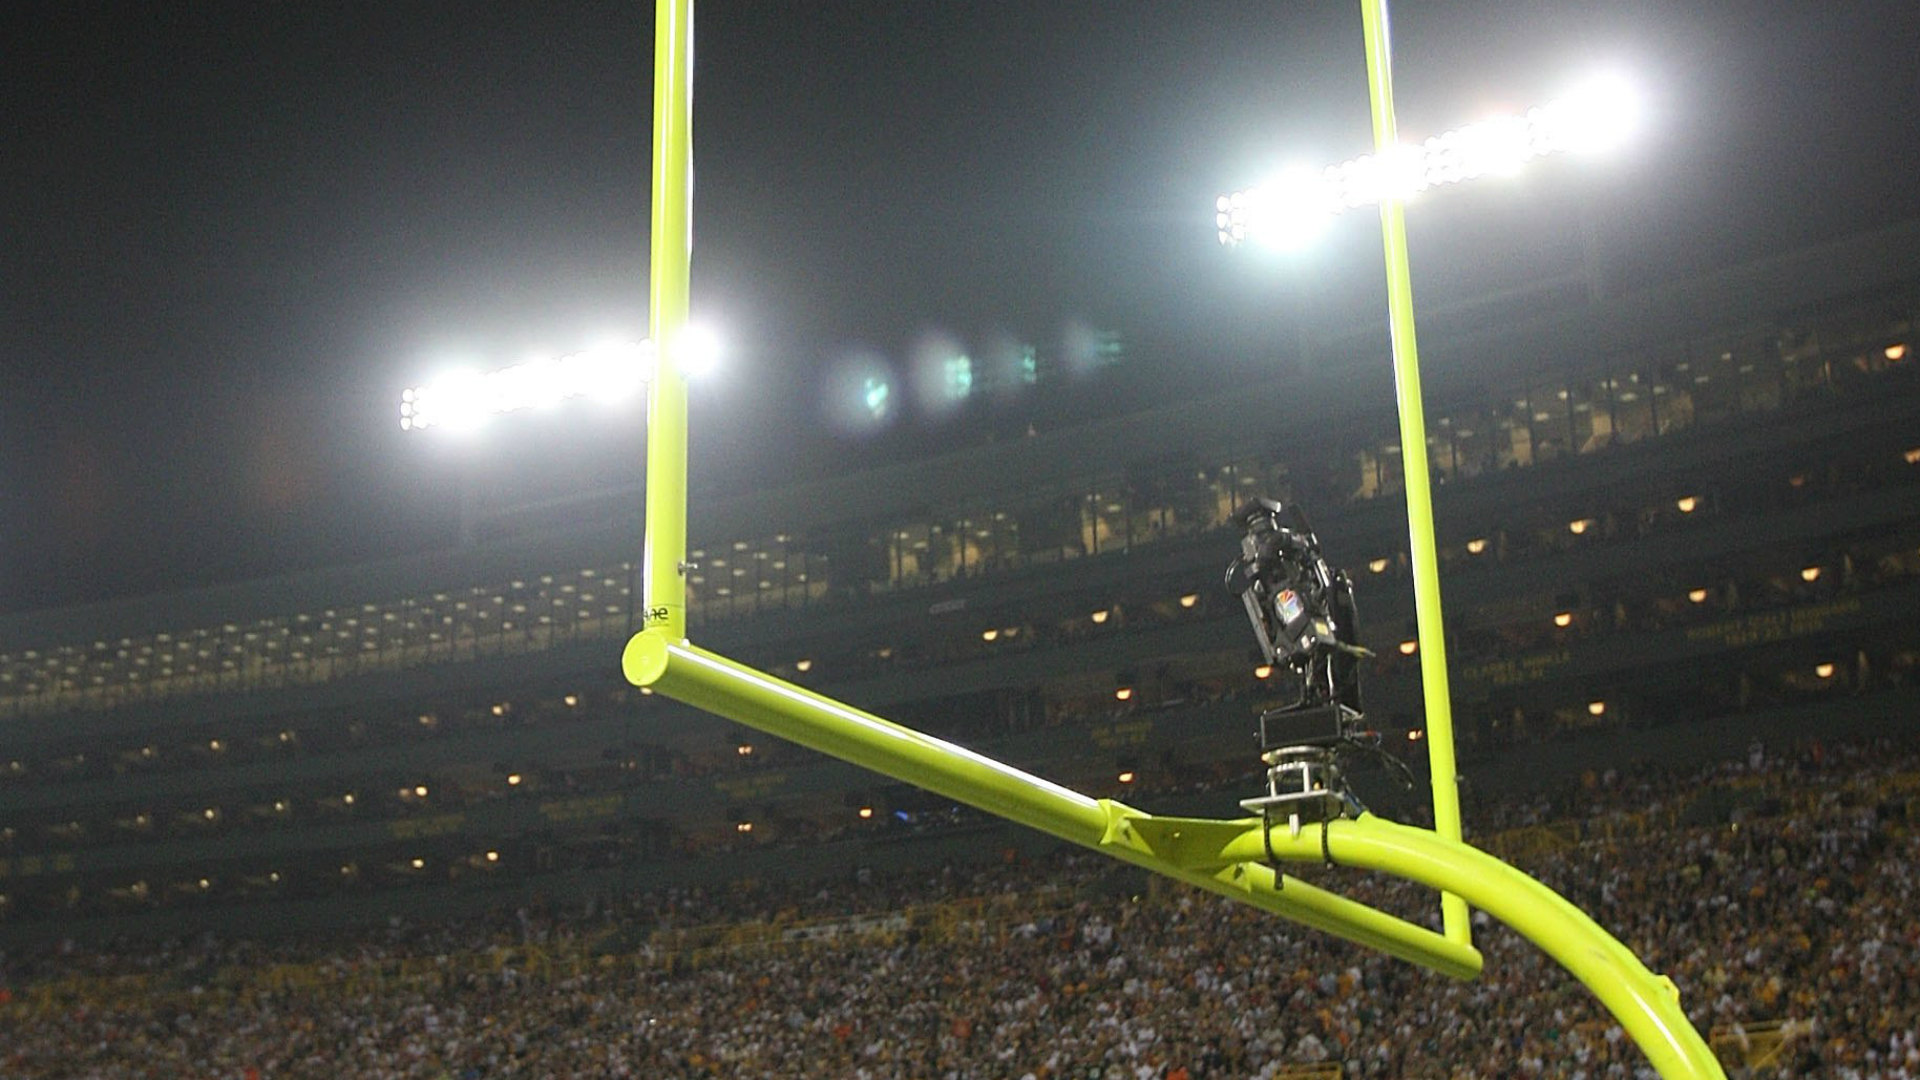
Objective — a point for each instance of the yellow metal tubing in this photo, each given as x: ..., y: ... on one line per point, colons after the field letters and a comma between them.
x: 1421, y: 549
x: 1178, y: 848
x: 663, y: 560
x: 1646, y: 1005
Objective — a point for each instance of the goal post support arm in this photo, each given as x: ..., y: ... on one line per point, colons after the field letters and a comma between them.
x: 1186, y: 849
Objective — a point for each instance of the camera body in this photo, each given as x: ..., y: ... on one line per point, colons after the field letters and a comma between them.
x: 1303, y: 617
x: 1301, y: 609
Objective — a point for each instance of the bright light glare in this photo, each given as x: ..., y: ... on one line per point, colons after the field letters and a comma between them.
x: 700, y: 351
x: 1288, y: 214
x: 1600, y: 114
x: 465, y: 399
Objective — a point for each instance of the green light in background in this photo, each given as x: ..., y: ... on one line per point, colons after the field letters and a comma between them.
x: 959, y: 376
x: 874, y: 394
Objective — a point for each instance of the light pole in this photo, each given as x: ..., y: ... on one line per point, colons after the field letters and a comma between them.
x: 1293, y: 209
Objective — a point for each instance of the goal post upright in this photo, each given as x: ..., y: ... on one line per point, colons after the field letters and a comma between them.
x: 669, y: 284
x: 1421, y: 549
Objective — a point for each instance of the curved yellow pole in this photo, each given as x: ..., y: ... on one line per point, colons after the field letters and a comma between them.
x: 1646, y: 1005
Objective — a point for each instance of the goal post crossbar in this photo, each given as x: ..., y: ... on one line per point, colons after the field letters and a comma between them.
x: 711, y: 682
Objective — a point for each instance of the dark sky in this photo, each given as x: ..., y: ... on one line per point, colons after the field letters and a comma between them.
x: 231, y: 233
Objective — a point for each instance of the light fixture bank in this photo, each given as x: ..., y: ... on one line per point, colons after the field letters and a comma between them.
x: 1293, y: 207
x: 613, y: 373
x: 467, y: 399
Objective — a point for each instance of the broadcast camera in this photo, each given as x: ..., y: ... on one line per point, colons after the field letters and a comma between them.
x: 1303, y: 617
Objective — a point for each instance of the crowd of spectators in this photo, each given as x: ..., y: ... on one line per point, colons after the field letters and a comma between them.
x: 1774, y: 887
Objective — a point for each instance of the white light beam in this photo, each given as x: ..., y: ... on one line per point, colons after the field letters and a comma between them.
x: 1291, y: 210
x: 467, y: 399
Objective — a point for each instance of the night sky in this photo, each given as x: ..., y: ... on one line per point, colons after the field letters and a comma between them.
x: 231, y: 233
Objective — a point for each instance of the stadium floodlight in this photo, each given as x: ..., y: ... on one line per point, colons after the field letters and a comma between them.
x: 615, y: 372
x: 1293, y: 208
x: 700, y: 350
x: 464, y: 400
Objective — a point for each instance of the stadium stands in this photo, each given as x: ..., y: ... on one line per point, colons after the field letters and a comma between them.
x: 1778, y: 889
